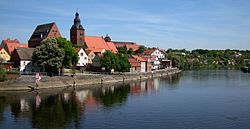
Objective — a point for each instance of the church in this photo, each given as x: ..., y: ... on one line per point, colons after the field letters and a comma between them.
x: 93, y: 43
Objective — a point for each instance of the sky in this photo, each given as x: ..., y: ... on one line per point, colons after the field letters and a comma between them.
x: 176, y: 24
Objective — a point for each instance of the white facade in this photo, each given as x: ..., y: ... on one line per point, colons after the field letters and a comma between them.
x: 83, y: 58
x: 159, y: 54
x: 143, y: 66
x: 156, y: 63
x: 27, y: 66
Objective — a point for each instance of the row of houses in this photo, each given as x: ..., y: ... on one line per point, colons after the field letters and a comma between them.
x: 18, y: 55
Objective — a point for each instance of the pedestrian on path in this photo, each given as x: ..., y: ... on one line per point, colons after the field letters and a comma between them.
x: 38, y: 78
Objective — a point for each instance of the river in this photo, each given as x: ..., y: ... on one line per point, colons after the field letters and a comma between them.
x: 190, y: 100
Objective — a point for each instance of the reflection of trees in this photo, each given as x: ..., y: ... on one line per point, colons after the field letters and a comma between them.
x: 171, y: 80
x: 114, y: 96
x: 54, y: 112
x: 15, y: 107
x: 2, y: 106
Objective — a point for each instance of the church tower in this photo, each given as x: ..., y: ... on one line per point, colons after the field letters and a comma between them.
x: 77, y: 32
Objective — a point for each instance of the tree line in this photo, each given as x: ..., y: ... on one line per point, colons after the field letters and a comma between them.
x: 208, y: 59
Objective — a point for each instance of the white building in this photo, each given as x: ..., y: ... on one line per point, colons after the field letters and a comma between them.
x: 155, y: 62
x: 154, y: 52
x: 22, y: 59
x: 83, y: 58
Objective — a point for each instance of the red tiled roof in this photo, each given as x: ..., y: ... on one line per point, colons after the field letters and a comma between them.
x: 88, y: 51
x: 146, y: 58
x: 133, y: 62
x: 95, y: 42
x: 127, y: 45
x: 134, y: 47
x: 138, y: 58
x: 112, y: 47
x: 99, y: 50
x: 10, y: 45
x: 148, y: 52
x: 24, y: 45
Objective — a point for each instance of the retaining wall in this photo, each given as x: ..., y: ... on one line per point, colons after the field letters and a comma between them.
x: 26, y: 81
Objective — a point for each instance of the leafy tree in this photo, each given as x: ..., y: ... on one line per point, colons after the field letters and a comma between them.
x: 118, y: 62
x: 141, y: 49
x: 49, y: 55
x: 109, y: 61
x: 2, y: 75
x: 122, y: 50
x: 122, y: 64
x: 71, y: 56
x: 130, y: 52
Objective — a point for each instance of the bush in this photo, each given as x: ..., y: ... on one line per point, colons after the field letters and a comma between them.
x: 3, y: 78
x: 3, y: 75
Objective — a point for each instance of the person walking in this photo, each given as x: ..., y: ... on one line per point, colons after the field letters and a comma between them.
x: 38, y: 78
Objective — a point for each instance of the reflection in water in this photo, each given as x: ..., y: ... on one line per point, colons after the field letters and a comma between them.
x: 110, y: 96
x: 38, y: 100
x: 66, y: 109
x: 3, y: 104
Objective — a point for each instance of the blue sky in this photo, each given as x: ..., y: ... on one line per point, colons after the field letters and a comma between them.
x: 189, y: 24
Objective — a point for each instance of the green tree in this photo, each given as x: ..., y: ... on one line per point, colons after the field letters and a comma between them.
x: 71, y: 56
x: 49, y: 55
x: 122, y: 50
x: 141, y: 49
x: 130, y: 52
x: 109, y: 61
x: 122, y: 64
x: 118, y: 62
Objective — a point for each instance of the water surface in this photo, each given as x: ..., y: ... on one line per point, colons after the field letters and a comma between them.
x: 192, y: 100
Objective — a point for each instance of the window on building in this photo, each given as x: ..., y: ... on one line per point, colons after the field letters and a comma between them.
x: 85, y: 58
x: 81, y: 54
x: 24, y: 63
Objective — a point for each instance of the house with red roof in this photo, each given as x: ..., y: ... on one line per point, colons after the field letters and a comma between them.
x: 138, y: 64
x: 154, y: 52
x: 154, y: 61
x: 10, y: 45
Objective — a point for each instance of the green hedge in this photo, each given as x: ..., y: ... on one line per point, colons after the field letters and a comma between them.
x: 3, y: 75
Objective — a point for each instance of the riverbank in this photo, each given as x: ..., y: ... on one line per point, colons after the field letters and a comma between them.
x: 24, y: 82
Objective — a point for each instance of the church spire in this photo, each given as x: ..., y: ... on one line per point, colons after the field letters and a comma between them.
x: 77, y: 32
x: 77, y: 22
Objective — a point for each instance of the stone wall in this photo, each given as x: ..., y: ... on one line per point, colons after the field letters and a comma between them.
x: 26, y: 81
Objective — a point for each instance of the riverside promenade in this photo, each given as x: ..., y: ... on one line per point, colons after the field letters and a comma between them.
x: 24, y: 82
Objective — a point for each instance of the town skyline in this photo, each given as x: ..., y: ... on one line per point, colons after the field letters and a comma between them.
x: 190, y: 25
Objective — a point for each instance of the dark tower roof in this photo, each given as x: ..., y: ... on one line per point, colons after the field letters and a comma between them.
x: 77, y: 22
x: 107, y: 38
